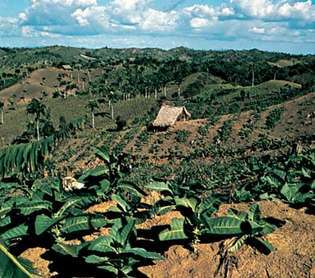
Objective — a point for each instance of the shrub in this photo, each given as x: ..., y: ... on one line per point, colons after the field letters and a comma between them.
x: 224, y: 132
x: 182, y: 136
x: 120, y: 123
x: 274, y: 117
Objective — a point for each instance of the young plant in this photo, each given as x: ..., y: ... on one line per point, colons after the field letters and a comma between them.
x: 182, y: 136
x: 110, y: 178
x: 114, y: 253
x: 290, y: 178
x: 274, y: 117
x: 246, y: 227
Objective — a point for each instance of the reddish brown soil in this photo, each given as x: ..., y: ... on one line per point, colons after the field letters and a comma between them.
x: 294, y: 255
x: 294, y: 122
x: 101, y: 208
x: 41, y: 265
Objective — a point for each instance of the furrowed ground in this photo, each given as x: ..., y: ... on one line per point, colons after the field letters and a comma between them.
x: 227, y: 193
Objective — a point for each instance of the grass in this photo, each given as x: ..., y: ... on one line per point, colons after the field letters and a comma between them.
x: 73, y: 107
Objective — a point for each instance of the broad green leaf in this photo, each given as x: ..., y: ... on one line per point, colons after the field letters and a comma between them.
x: 306, y: 173
x: 75, y: 224
x: 121, y: 202
x: 93, y: 259
x: 225, y: 225
x: 67, y: 249
x: 43, y: 223
x: 267, y: 229
x: 81, y: 202
x: 103, y: 154
x: 140, y: 252
x: 96, y: 172
x: 280, y: 173
x: 254, y: 213
x: 293, y: 195
x: 176, y: 231
x: 126, y: 231
x: 267, y: 196
x: 131, y: 188
x: 187, y: 203
x: 165, y: 209
x: 104, y: 186
x: 110, y: 269
x: 238, y: 243
x: 275, y: 183
x: 241, y: 215
x: 5, y: 208
x: 242, y: 195
x: 102, y: 244
x: 98, y: 221
x: 158, y: 186
x: 34, y: 206
x: 114, y: 232
x: 268, y: 248
x: 289, y: 192
x: 15, y: 232
x: 126, y: 269
x: 12, y: 267
x: 5, y: 221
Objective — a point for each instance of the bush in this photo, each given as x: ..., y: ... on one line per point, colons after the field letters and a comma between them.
x: 120, y: 123
x: 224, y: 132
x: 274, y: 117
x: 182, y: 136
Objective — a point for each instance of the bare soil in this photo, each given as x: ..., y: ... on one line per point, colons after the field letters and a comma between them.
x: 294, y: 255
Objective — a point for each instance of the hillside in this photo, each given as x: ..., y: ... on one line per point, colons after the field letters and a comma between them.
x: 86, y: 180
x: 246, y: 134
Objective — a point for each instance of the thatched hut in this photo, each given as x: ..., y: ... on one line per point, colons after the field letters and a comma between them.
x: 66, y: 67
x: 169, y: 115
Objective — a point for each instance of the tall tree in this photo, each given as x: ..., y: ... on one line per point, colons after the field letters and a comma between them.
x: 2, y: 112
x: 92, y: 106
x: 38, y: 109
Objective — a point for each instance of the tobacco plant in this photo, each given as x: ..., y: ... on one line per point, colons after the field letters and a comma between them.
x: 290, y: 179
x: 114, y: 253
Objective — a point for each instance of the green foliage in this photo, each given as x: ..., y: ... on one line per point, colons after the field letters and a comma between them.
x: 182, y: 136
x: 224, y: 132
x: 111, y: 178
x: 29, y: 157
x: 274, y: 117
x: 175, y: 232
x: 48, y: 209
x: 12, y: 267
x: 115, y: 254
x: 248, y: 227
x: 249, y: 126
x: 290, y: 179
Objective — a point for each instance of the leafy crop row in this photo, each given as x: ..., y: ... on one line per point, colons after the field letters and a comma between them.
x: 47, y: 211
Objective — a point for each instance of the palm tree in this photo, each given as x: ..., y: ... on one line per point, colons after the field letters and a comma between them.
x: 38, y: 109
x: 111, y: 99
x: 2, y: 112
x: 92, y: 106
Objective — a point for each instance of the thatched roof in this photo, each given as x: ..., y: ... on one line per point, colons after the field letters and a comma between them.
x: 168, y: 115
x: 66, y: 67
